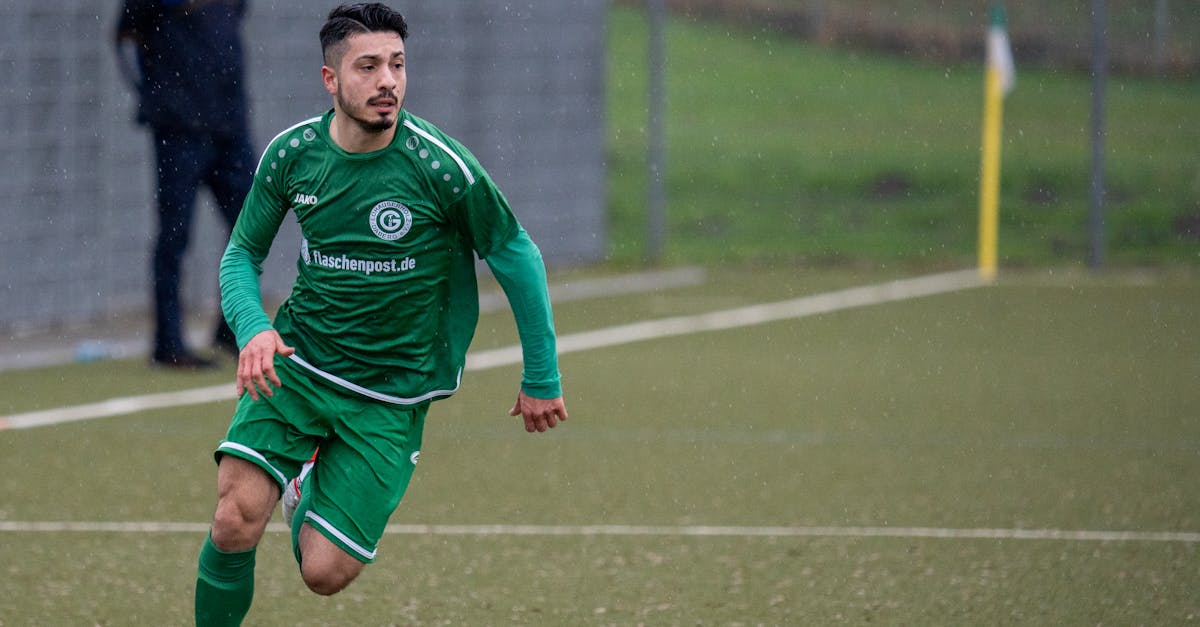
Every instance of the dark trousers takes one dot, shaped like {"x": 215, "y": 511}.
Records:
{"x": 186, "y": 160}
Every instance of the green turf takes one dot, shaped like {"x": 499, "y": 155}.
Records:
{"x": 782, "y": 149}
{"x": 603, "y": 581}
{"x": 1051, "y": 400}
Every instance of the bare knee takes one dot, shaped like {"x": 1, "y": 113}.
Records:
{"x": 236, "y": 527}
{"x": 325, "y": 568}
{"x": 246, "y": 497}
{"x": 325, "y": 585}
{"x": 327, "y": 578}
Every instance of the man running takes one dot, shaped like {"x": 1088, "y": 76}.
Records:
{"x": 392, "y": 212}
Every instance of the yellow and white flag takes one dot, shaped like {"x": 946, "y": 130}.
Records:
{"x": 999, "y": 52}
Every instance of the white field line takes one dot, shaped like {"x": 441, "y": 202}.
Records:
{"x": 635, "y": 283}
{"x": 611, "y": 336}
{"x": 117, "y": 407}
{"x": 646, "y": 530}
{"x": 35, "y": 354}
{"x": 743, "y": 316}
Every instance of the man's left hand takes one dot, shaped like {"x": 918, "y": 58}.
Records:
{"x": 539, "y": 413}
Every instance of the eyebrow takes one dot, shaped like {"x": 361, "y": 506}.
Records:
{"x": 375, "y": 57}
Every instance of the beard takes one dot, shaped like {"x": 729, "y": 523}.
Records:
{"x": 367, "y": 119}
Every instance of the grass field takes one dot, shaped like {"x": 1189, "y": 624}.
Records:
{"x": 1049, "y": 401}
{"x": 778, "y": 149}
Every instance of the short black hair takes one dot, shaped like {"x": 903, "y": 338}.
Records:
{"x": 354, "y": 19}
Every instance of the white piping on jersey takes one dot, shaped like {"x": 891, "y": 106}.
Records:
{"x": 309, "y": 515}
{"x": 379, "y": 396}
{"x": 245, "y": 450}
{"x": 285, "y": 131}
{"x": 436, "y": 142}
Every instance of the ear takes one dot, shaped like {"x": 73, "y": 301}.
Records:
{"x": 329, "y": 77}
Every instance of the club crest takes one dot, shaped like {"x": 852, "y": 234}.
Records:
{"x": 390, "y": 220}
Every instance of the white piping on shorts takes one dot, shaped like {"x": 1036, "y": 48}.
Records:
{"x": 245, "y": 450}
{"x": 379, "y": 396}
{"x": 324, "y": 524}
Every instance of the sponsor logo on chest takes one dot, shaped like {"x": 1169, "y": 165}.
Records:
{"x": 305, "y": 199}
{"x": 389, "y": 221}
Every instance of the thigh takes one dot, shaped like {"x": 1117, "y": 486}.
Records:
{"x": 246, "y": 497}
{"x": 362, "y": 473}
{"x": 326, "y": 567}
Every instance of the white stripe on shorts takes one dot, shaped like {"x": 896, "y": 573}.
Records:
{"x": 313, "y": 517}
{"x": 246, "y": 450}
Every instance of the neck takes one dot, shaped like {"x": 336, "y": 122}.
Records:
{"x": 352, "y": 137}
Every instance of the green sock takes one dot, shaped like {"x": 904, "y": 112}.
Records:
{"x": 224, "y": 585}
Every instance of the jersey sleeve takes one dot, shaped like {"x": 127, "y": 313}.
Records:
{"x": 250, "y": 242}
{"x": 519, "y": 269}
{"x": 484, "y": 217}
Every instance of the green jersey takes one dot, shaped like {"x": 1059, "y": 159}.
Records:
{"x": 385, "y": 301}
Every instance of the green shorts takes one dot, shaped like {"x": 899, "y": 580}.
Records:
{"x": 368, "y": 451}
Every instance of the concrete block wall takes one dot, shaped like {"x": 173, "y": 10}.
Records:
{"x": 520, "y": 83}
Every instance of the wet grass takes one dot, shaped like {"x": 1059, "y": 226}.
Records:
{"x": 779, "y": 149}
{"x": 1053, "y": 400}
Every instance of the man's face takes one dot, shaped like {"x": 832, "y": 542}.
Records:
{"x": 369, "y": 81}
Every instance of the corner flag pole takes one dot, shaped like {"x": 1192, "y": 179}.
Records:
{"x": 998, "y": 81}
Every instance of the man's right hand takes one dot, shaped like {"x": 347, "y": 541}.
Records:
{"x": 256, "y": 364}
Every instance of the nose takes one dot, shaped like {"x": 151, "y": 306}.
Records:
{"x": 387, "y": 80}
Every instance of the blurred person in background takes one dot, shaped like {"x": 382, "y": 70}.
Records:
{"x": 184, "y": 58}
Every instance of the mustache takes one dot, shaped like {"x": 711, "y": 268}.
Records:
{"x": 383, "y": 95}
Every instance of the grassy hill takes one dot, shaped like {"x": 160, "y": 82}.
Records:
{"x": 780, "y": 149}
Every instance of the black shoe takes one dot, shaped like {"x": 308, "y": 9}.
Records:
{"x": 183, "y": 361}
